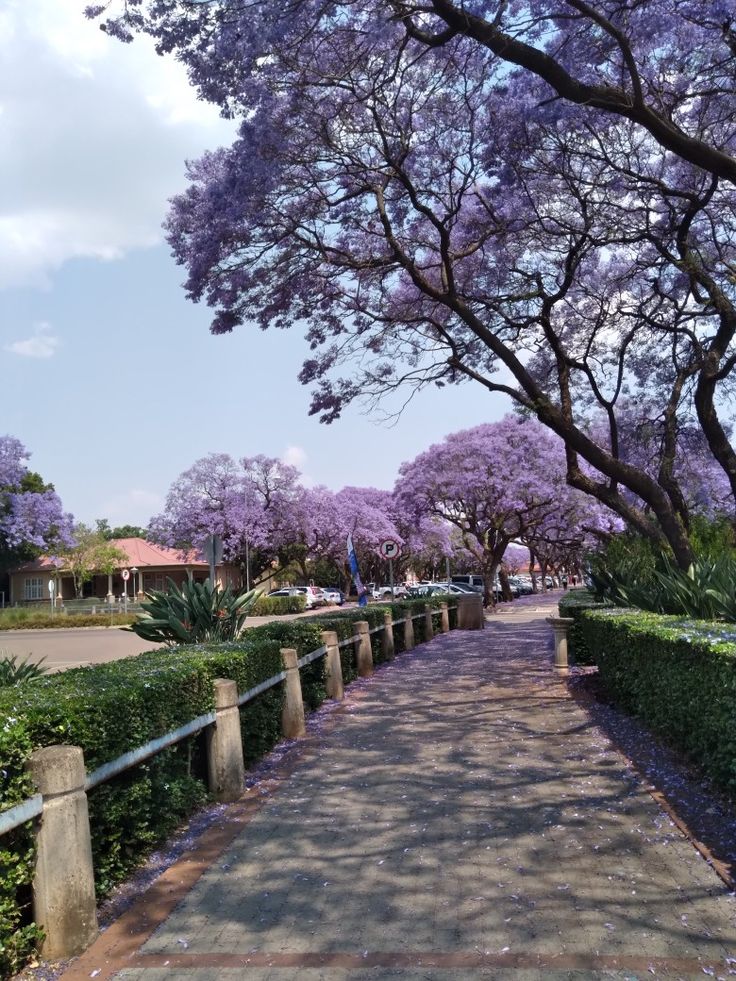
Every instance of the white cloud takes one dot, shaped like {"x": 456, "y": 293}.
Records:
{"x": 42, "y": 344}
{"x": 93, "y": 139}
{"x": 295, "y": 456}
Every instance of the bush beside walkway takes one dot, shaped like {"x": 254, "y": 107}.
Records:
{"x": 458, "y": 816}
{"x": 678, "y": 676}
{"x": 112, "y": 708}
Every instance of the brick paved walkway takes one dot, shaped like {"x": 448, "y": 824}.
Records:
{"x": 456, "y": 817}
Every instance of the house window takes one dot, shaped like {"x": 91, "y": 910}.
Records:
{"x": 33, "y": 588}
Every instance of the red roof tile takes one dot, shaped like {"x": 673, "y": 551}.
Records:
{"x": 141, "y": 555}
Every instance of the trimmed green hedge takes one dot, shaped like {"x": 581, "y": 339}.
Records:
{"x": 58, "y": 621}
{"x": 112, "y": 708}
{"x": 573, "y": 604}
{"x": 678, "y": 676}
{"x": 270, "y": 606}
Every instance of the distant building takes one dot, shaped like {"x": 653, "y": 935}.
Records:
{"x": 149, "y": 567}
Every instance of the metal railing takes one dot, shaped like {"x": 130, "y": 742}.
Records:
{"x": 32, "y": 807}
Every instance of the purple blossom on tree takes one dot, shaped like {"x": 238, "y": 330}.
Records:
{"x": 31, "y": 514}
{"x": 535, "y": 196}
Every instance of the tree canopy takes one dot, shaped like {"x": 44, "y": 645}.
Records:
{"x": 32, "y": 518}
{"x": 535, "y": 195}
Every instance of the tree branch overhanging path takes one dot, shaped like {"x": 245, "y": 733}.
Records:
{"x": 537, "y": 197}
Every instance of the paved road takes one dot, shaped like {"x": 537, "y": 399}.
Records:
{"x": 457, "y": 817}
{"x": 72, "y": 648}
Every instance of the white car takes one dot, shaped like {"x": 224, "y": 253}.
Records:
{"x": 313, "y": 596}
{"x": 333, "y": 595}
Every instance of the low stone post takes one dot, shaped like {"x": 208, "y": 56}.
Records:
{"x": 560, "y": 626}
{"x": 225, "y": 766}
{"x": 408, "y": 631}
{"x": 389, "y": 648}
{"x": 428, "y": 625}
{"x": 363, "y": 649}
{"x": 63, "y": 884}
{"x": 444, "y": 618}
{"x": 333, "y": 683}
{"x": 470, "y": 614}
{"x": 292, "y": 716}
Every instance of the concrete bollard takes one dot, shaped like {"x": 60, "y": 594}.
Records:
{"x": 292, "y": 716}
{"x": 389, "y": 648}
{"x": 470, "y": 614}
{"x": 334, "y": 683}
{"x": 408, "y": 631}
{"x": 428, "y": 625}
{"x": 225, "y": 766}
{"x": 560, "y": 626}
{"x": 63, "y": 885}
{"x": 444, "y": 618}
{"x": 363, "y": 649}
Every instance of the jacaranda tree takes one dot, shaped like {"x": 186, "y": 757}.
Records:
{"x": 496, "y": 483}
{"x": 32, "y": 519}
{"x": 536, "y": 195}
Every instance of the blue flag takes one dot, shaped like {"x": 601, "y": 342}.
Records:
{"x": 353, "y": 563}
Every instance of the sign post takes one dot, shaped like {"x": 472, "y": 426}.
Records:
{"x": 126, "y": 576}
{"x": 52, "y": 590}
{"x": 213, "y": 554}
{"x": 390, "y": 549}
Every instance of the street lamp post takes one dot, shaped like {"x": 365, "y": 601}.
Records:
{"x": 135, "y": 572}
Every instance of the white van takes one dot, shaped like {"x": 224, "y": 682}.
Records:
{"x": 475, "y": 582}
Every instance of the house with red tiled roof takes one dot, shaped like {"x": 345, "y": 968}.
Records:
{"x": 148, "y": 565}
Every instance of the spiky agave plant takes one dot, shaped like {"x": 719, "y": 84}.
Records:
{"x": 193, "y": 613}
{"x": 13, "y": 671}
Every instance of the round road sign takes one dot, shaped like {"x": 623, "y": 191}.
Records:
{"x": 125, "y": 574}
{"x": 390, "y": 549}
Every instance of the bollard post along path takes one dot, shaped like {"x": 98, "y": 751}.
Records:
{"x": 457, "y": 816}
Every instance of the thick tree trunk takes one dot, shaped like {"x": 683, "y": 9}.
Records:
{"x": 505, "y": 587}
{"x": 532, "y": 573}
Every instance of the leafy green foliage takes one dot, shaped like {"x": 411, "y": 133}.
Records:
{"x": 270, "y": 606}
{"x": 194, "y": 613}
{"x": 14, "y": 671}
{"x": 112, "y": 708}
{"x": 19, "y": 936}
{"x": 573, "y": 604}
{"x": 713, "y": 538}
{"x": 25, "y": 618}
{"x": 90, "y": 553}
{"x": 705, "y": 591}
{"x": 632, "y": 572}
{"x": 678, "y": 676}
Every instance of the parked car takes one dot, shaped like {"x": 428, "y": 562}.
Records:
{"x": 333, "y": 595}
{"x": 519, "y": 586}
{"x": 384, "y": 592}
{"x": 313, "y": 595}
{"x": 475, "y": 582}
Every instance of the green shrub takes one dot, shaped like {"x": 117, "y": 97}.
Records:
{"x": 573, "y": 604}
{"x": 19, "y": 936}
{"x": 14, "y": 672}
{"x": 35, "y": 620}
{"x": 112, "y": 708}
{"x": 193, "y": 612}
{"x": 678, "y": 676}
{"x": 275, "y": 606}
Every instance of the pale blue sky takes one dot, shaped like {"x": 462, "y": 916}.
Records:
{"x": 109, "y": 375}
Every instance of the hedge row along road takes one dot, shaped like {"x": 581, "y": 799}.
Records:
{"x": 62, "y": 649}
